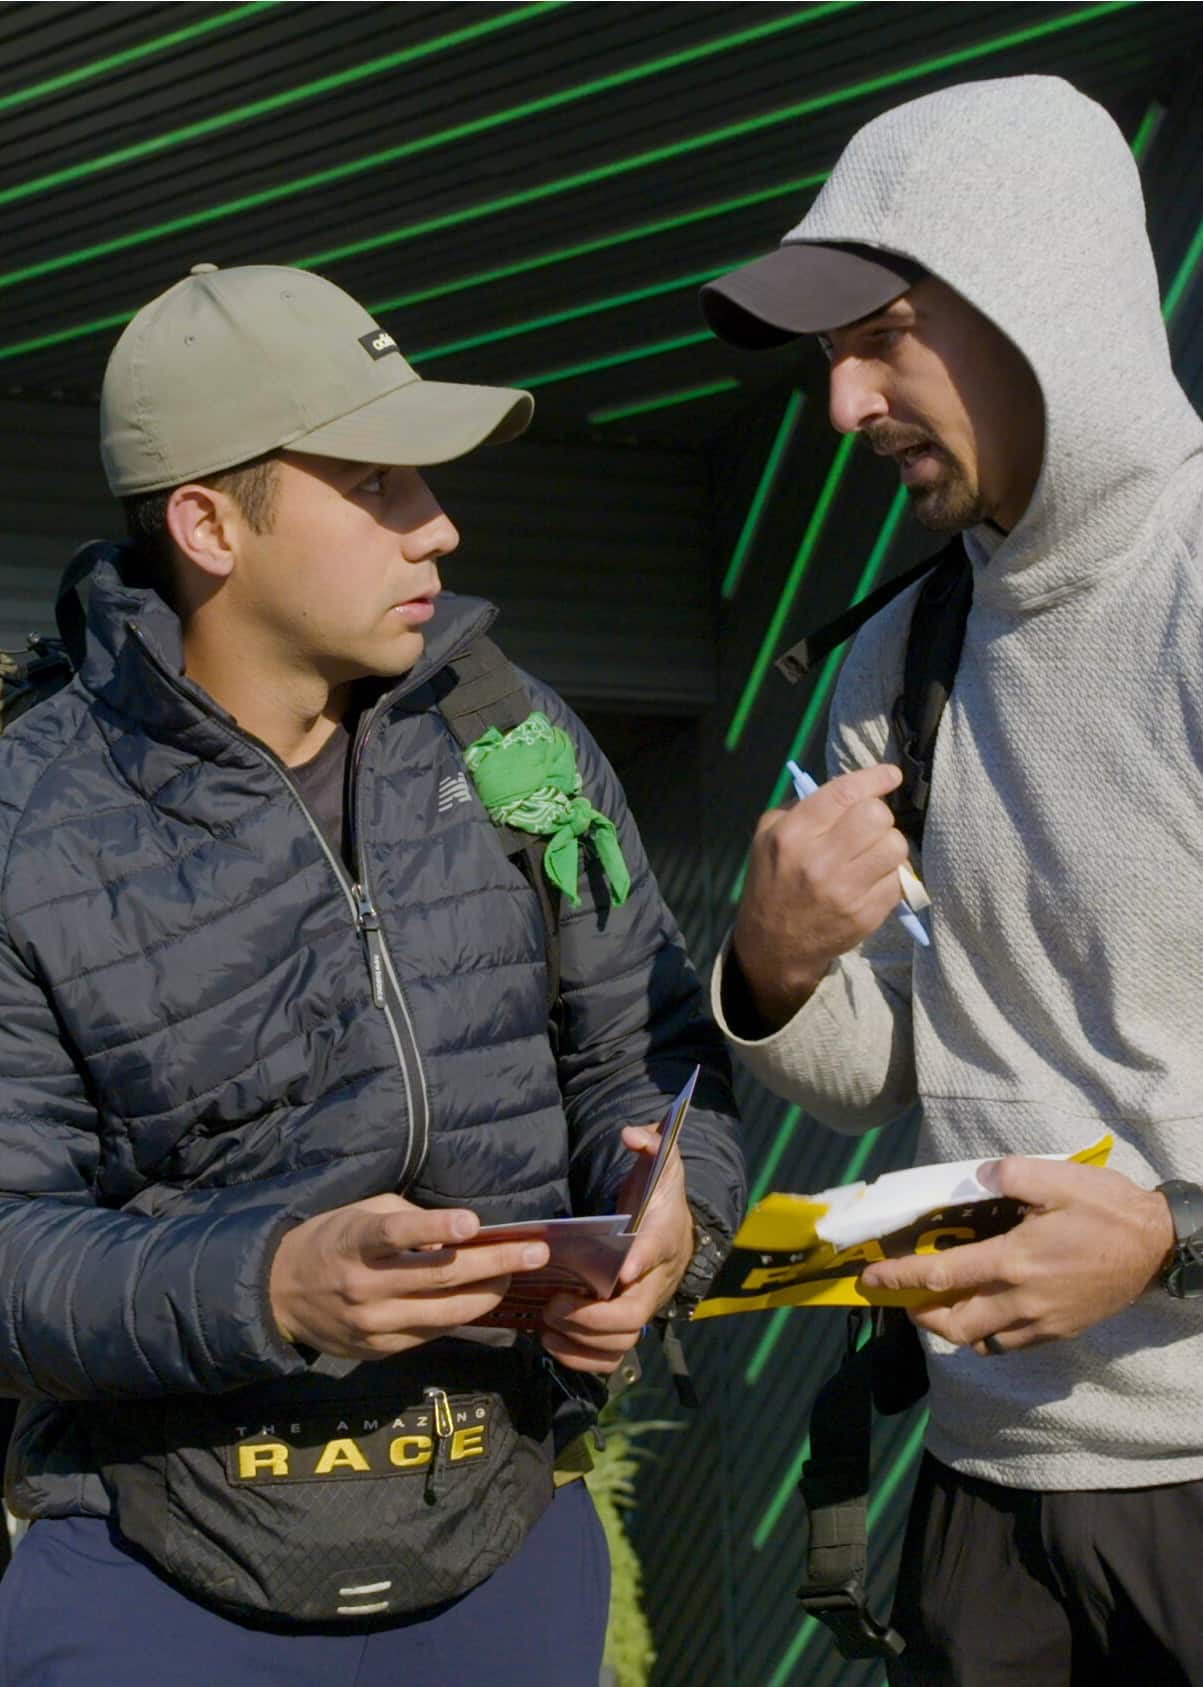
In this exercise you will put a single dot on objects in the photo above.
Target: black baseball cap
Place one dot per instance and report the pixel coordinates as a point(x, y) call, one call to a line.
point(804, 287)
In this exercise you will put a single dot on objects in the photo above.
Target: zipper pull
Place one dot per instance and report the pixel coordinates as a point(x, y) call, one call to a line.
point(444, 1428)
point(444, 1422)
point(368, 921)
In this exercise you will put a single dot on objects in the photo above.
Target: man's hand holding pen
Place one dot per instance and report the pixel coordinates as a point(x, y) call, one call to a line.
point(822, 875)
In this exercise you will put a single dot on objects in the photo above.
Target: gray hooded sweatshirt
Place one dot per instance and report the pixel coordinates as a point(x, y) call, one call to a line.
point(1063, 992)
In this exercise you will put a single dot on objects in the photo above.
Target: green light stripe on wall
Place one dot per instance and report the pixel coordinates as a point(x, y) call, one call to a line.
point(603, 243)
point(785, 602)
point(610, 301)
point(728, 132)
point(899, 1469)
point(827, 673)
point(714, 137)
point(1149, 125)
point(62, 336)
point(768, 1342)
point(860, 1155)
point(764, 1348)
point(785, 1488)
point(739, 555)
point(633, 354)
point(1184, 276)
point(441, 138)
point(785, 1668)
point(272, 103)
point(663, 401)
point(130, 55)
point(789, 1481)
point(773, 1158)
point(868, 580)
point(527, 196)
point(481, 278)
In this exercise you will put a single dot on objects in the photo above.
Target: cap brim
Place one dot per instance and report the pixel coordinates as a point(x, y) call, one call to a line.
point(422, 422)
point(802, 288)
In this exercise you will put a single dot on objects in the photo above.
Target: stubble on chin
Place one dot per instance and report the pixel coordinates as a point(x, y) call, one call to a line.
point(950, 506)
point(954, 502)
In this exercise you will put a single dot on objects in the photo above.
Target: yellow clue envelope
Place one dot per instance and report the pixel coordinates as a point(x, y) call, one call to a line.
point(809, 1250)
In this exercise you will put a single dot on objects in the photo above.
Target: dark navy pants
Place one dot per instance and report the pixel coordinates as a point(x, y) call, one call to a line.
point(79, 1610)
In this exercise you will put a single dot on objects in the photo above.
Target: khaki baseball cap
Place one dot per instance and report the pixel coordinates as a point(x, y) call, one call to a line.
point(230, 363)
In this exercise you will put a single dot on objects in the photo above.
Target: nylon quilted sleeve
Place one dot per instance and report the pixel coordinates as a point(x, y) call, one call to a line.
point(95, 1303)
point(635, 1021)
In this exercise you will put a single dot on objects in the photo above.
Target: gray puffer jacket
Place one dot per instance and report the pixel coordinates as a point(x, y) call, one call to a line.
point(203, 1041)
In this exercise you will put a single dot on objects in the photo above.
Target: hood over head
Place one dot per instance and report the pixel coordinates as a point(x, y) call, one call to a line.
point(1023, 195)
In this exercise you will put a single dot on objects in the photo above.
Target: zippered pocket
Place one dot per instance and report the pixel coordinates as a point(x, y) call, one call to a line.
point(337, 1500)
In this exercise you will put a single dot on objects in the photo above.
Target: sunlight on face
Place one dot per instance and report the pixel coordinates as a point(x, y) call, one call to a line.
point(346, 578)
point(931, 382)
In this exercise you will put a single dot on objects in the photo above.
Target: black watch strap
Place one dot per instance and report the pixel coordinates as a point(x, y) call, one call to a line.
point(1183, 1276)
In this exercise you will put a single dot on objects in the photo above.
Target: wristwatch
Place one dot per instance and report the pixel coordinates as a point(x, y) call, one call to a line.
point(1183, 1276)
point(710, 1249)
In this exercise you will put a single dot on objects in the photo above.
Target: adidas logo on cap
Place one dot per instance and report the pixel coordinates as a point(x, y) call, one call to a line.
point(378, 343)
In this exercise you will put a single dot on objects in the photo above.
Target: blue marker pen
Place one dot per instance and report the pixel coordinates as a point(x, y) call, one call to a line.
point(804, 786)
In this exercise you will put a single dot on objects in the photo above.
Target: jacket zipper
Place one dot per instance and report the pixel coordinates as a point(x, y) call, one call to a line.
point(386, 987)
point(382, 977)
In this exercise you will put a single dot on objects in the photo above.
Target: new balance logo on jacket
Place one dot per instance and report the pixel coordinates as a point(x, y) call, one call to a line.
point(453, 790)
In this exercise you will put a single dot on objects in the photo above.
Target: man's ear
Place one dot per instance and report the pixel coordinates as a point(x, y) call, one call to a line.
point(200, 522)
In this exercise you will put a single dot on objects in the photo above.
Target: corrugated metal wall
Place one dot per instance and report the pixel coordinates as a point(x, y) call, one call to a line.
point(608, 563)
point(719, 1526)
point(52, 498)
point(524, 191)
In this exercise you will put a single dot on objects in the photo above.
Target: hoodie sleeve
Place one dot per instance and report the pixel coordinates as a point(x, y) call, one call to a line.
point(99, 1304)
point(634, 1021)
point(847, 1056)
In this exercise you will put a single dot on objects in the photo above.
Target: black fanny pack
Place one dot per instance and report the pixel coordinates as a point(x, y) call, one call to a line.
point(355, 1494)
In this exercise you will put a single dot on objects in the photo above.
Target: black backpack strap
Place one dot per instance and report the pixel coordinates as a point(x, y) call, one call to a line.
point(835, 1481)
point(933, 650)
point(801, 658)
point(485, 690)
point(480, 689)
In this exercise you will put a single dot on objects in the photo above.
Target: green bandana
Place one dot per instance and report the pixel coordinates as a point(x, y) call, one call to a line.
point(527, 778)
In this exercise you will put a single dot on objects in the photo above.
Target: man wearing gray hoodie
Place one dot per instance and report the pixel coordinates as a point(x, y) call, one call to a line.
point(978, 273)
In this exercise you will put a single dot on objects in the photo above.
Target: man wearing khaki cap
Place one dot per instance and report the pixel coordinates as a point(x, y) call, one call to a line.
point(286, 1015)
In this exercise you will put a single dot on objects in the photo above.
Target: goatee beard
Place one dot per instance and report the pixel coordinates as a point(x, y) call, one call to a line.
point(949, 507)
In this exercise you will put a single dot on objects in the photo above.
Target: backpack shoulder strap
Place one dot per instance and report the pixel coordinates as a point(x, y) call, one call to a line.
point(482, 688)
point(485, 690)
point(888, 1373)
point(835, 1489)
point(802, 658)
point(933, 650)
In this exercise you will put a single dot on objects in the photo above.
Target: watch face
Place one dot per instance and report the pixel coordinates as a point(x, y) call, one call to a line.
point(1184, 1279)
point(1183, 1276)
